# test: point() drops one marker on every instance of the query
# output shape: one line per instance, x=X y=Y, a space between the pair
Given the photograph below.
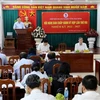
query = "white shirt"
x=37 y=94
x=4 y=59
x=19 y=63
x=81 y=47
x=34 y=72
x=43 y=48
x=89 y=95
x=18 y=25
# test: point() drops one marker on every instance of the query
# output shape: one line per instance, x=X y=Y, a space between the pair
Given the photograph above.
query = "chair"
x=57 y=57
x=36 y=59
x=13 y=59
x=62 y=47
x=5 y=71
x=0 y=61
x=43 y=81
x=55 y=68
x=27 y=69
x=73 y=83
x=5 y=89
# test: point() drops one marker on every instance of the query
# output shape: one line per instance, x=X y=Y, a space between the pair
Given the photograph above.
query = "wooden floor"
x=10 y=52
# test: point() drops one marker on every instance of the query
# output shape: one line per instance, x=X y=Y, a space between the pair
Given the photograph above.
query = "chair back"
x=57 y=57
x=73 y=83
x=35 y=58
x=5 y=87
x=24 y=69
x=62 y=47
x=5 y=71
x=0 y=61
x=13 y=59
x=47 y=81
x=55 y=68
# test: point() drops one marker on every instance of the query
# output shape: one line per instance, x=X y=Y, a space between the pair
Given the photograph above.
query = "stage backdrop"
x=66 y=22
x=11 y=13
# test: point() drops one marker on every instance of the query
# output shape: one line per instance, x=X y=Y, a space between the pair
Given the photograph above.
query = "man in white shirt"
x=33 y=89
x=89 y=87
x=19 y=24
x=4 y=59
x=35 y=70
x=22 y=61
x=44 y=47
x=81 y=46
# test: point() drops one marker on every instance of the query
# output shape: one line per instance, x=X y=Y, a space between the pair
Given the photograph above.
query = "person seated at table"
x=80 y=46
x=3 y=58
x=36 y=69
x=23 y=60
x=89 y=87
x=19 y=24
x=58 y=79
x=33 y=91
x=48 y=66
x=27 y=23
x=31 y=52
x=43 y=47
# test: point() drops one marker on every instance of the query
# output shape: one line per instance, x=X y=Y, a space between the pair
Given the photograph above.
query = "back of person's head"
x=45 y=40
x=23 y=55
x=51 y=55
x=33 y=81
x=90 y=82
x=32 y=50
x=36 y=66
x=64 y=68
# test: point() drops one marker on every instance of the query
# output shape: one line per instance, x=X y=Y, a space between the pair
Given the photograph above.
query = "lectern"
x=24 y=38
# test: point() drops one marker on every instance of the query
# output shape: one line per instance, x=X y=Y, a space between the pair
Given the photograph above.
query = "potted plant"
x=91 y=35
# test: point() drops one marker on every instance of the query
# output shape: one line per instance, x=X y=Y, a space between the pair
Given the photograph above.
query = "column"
x=98 y=24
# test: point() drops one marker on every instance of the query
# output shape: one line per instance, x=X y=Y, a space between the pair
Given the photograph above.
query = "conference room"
x=58 y=40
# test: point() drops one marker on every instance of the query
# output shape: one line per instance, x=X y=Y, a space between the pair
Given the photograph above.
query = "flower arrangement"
x=91 y=33
x=38 y=33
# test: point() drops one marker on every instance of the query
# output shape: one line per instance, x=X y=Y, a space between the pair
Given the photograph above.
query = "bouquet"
x=91 y=33
x=38 y=33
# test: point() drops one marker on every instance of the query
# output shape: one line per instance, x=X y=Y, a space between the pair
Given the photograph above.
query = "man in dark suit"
x=48 y=66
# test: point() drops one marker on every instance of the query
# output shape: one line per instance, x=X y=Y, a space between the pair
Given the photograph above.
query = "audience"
x=48 y=66
x=81 y=46
x=43 y=47
x=4 y=59
x=33 y=91
x=32 y=52
x=23 y=60
x=89 y=87
x=36 y=69
x=58 y=79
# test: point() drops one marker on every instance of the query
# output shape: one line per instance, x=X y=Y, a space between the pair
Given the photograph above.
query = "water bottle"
x=66 y=93
x=1 y=97
x=13 y=76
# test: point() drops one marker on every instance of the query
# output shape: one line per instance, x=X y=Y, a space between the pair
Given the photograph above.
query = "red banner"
x=49 y=7
x=66 y=22
x=31 y=16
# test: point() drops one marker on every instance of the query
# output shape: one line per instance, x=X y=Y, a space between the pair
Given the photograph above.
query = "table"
x=97 y=70
x=79 y=62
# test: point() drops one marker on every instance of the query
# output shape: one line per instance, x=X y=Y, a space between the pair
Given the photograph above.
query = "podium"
x=24 y=39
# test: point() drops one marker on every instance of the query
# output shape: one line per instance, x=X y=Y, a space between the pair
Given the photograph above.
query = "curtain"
x=9 y=17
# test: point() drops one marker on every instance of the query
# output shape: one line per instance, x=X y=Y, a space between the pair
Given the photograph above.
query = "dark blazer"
x=48 y=66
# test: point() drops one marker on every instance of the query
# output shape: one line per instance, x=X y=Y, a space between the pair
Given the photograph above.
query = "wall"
x=98 y=24
x=1 y=28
